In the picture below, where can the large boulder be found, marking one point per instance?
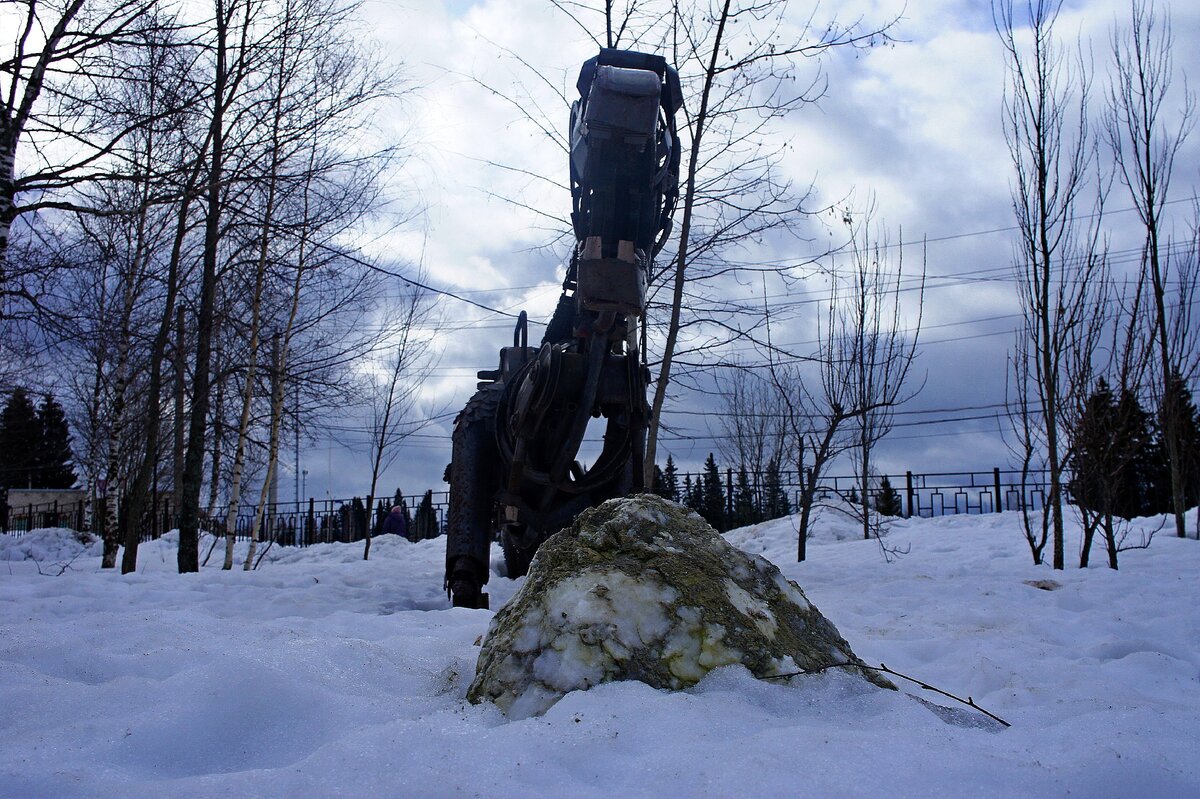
(644, 589)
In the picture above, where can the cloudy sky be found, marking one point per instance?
(916, 123)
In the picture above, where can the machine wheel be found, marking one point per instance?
(474, 479)
(516, 559)
(465, 591)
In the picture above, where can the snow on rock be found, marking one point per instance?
(643, 589)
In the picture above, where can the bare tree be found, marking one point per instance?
(117, 247)
(231, 62)
(752, 421)
(393, 394)
(1045, 122)
(56, 49)
(864, 355)
(291, 91)
(1024, 442)
(736, 60)
(814, 418)
(871, 340)
(1144, 142)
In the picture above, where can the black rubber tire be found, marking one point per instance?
(516, 559)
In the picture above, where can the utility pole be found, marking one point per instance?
(296, 422)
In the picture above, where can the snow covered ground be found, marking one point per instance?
(322, 675)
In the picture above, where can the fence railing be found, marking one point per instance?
(950, 493)
(23, 518)
(286, 523)
(921, 494)
(315, 521)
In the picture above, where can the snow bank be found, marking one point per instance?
(51, 546)
(320, 674)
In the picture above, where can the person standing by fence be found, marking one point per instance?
(396, 522)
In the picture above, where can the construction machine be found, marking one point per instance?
(515, 473)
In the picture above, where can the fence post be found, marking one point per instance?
(310, 528)
(996, 484)
(908, 490)
(728, 496)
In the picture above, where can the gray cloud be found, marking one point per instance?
(917, 123)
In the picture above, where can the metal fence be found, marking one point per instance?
(23, 518)
(315, 521)
(286, 523)
(925, 494)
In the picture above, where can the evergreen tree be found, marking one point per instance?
(381, 513)
(691, 494)
(358, 519)
(887, 501)
(1142, 457)
(712, 495)
(1117, 463)
(54, 453)
(671, 480)
(426, 523)
(745, 509)
(20, 441)
(1089, 484)
(775, 500)
(1188, 430)
(660, 482)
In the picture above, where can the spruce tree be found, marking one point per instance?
(775, 501)
(712, 495)
(660, 482)
(745, 510)
(358, 519)
(887, 501)
(1142, 458)
(426, 523)
(1188, 431)
(691, 494)
(1118, 464)
(20, 441)
(54, 453)
(671, 480)
(1089, 466)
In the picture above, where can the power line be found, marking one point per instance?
(411, 282)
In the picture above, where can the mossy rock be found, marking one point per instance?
(641, 588)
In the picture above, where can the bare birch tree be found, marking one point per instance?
(55, 49)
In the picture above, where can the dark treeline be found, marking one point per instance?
(35, 443)
(728, 498)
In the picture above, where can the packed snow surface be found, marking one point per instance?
(320, 674)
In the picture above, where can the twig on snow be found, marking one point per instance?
(969, 702)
